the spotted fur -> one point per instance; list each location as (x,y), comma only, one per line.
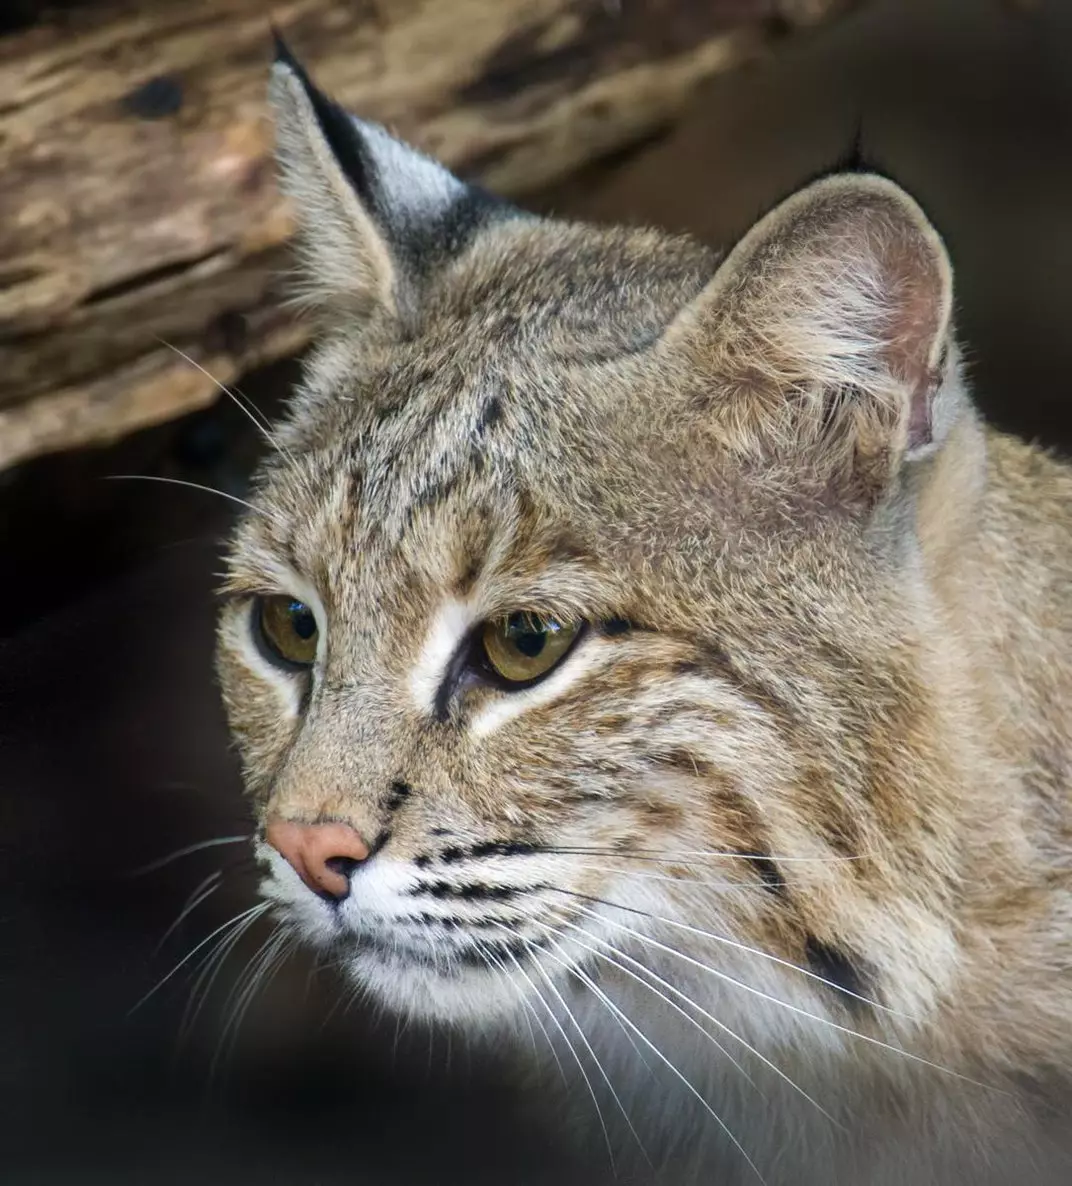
(805,777)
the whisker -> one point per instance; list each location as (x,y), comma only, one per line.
(191,486)
(160,862)
(593,987)
(245,404)
(726,941)
(703,1012)
(256,417)
(844,1029)
(260,908)
(587,1045)
(204,890)
(708,884)
(491,957)
(628,1036)
(265,964)
(688,857)
(651,988)
(569,1046)
(210,968)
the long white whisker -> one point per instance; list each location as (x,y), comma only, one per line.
(688,856)
(628,1036)
(584,1038)
(569,1047)
(844,1029)
(241,401)
(191,486)
(593,987)
(707,884)
(652,989)
(265,965)
(253,412)
(726,941)
(185,851)
(260,908)
(703,1012)
(210,968)
(488,955)
(205,889)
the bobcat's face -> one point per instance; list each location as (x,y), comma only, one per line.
(579,629)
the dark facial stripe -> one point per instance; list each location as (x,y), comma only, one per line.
(486,848)
(769,874)
(451,922)
(840,968)
(467,892)
(716,660)
(490,414)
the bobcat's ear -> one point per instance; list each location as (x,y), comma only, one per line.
(826,331)
(375,216)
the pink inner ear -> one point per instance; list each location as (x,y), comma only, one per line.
(920,425)
(914,285)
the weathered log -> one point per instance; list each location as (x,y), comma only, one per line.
(137,198)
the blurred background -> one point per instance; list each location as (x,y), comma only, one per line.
(137,207)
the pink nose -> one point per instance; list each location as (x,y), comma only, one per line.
(322,855)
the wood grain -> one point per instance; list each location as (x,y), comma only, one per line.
(138,203)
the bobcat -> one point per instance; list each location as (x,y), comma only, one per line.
(655,650)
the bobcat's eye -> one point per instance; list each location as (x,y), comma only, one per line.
(523,647)
(288,628)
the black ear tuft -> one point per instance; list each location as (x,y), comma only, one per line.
(338,128)
(855,160)
(282,50)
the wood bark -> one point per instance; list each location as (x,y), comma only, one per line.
(138,203)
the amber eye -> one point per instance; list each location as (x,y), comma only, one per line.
(525,646)
(288,628)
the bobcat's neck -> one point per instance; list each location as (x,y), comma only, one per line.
(996,532)
(996,527)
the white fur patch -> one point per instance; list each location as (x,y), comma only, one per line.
(449,627)
(419,190)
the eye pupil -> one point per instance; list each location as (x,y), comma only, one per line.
(301,620)
(527,636)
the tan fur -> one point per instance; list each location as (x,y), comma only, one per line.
(851,662)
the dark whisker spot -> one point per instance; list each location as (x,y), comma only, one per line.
(504,848)
(468,892)
(400,792)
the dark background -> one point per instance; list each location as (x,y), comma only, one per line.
(112,747)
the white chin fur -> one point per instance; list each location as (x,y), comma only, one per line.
(473,997)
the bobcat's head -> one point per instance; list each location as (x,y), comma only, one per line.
(582,628)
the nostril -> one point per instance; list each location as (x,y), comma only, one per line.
(342,865)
